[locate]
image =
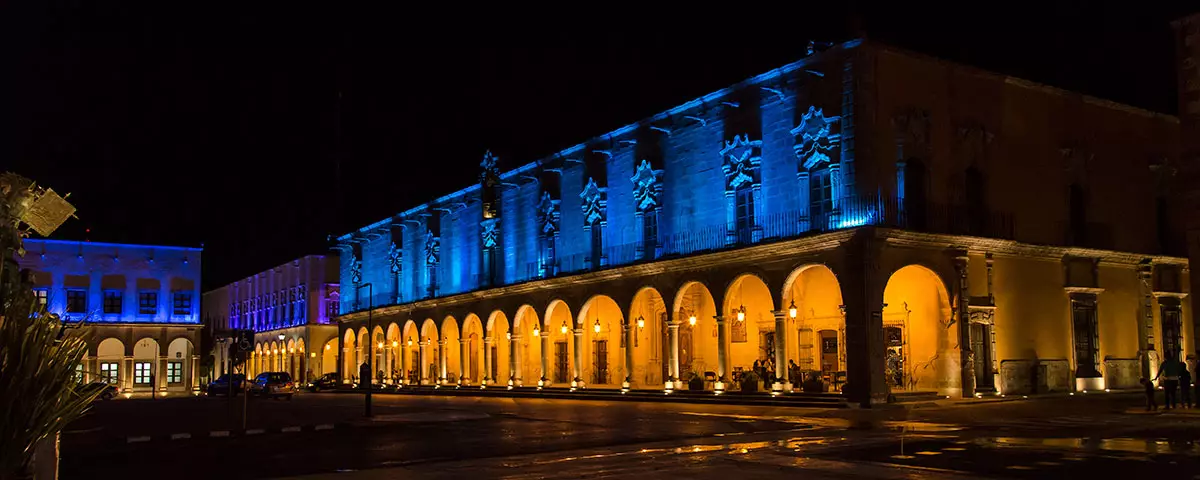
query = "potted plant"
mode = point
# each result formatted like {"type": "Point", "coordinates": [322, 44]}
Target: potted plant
{"type": "Point", "coordinates": [695, 382]}
{"type": "Point", "coordinates": [749, 382]}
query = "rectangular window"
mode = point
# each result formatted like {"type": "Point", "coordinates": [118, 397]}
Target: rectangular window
{"type": "Point", "coordinates": [182, 303]}
{"type": "Point", "coordinates": [147, 303]}
{"type": "Point", "coordinates": [745, 214]}
{"type": "Point", "coordinates": [76, 301]}
{"type": "Point", "coordinates": [820, 193]}
{"type": "Point", "coordinates": [42, 296]}
{"type": "Point", "coordinates": [109, 372]}
{"type": "Point", "coordinates": [650, 234]}
{"type": "Point", "coordinates": [112, 301]}
{"type": "Point", "coordinates": [331, 308]}
{"type": "Point", "coordinates": [141, 373]}
{"type": "Point", "coordinates": [174, 372]}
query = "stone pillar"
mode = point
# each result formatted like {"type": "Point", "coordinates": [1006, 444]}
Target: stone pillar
{"type": "Point", "coordinates": [630, 337]}
{"type": "Point", "coordinates": [193, 384]}
{"type": "Point", "coordinates": [403, 363]}
{"type": "Point", "coordinates": [421, 356]}
{"type": "Point", "coordinates": [1146, 318]}
{"type": "Point", "coordinates": [514, 356]}
{"type": "Point", "coordinates": [961, 307]}
{"type": "Point", "coordinates": [161, 377]}
{"type": "Point", "coordinates": [782, 382]}
{"type": "Point", "coordinates": [545, 378]}
{"type": "Point", "coordinates": [126, 373]}
{"type": "Point", "coordinates": [673, 367]}
{"type": "Point", "coordinates": [443, 363]}
{"type": "Point", "coordinates": [577, 357]}
{"type": "Point", "coordinates": [464, 351]}
{"type": "Point", "coordinates": [862, 293]}
{"type": "Point", "coordinates": [488, 375]}
{"type": "Point", "coordinates": [722, 356]}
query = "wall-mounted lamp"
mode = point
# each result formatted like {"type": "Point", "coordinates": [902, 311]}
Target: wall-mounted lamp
{"type": "Point", "coordinates": [792, 310]}
{"type": "Point", "coordinates": [641, 322]}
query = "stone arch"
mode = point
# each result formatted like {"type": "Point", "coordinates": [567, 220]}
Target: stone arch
{"type": "Point", "coordinates": [430, 350]}
{"type": "Point", "coordinates": [921, 351]}
{"type": "Point", "coordinates": [179, 365]}
{"type": "Point", "coordinates": [257, 360]}
{"type": "Point", "coordinates": [471, 345]}
{"type": "Point", "coordinates": [450, 373]}
{"type": "Point", "coordinates": [647, 320]}
{"type": "Point", "coordinates": [350, 357]}
{"type": "Point", "coordinates": [500, 332]}
{"type": "Point", "coordinates": [110, 357]}
{"type": "Point", "coordinates": [411, 342]}
{"type": "Point", "coordinates": [816, 334]}
{"type": "Point", "coordinates": [527, 359]}
{"type": "Point", "coordinates": [600, 320]}
{"type": "Point", "coordinates": [361, 351]}
{"type": "Point", "coordinates": [146, 353]}
{"type": "Point", "coordinates": [329, 355]}
{"type": "Point", "coordinates": [392, 348]}
{"type": "Point", "coordinates": [750, 317]}
{"type": "Point", "coordinates": [697, 342]}
{"type": "Point", "coordinates": [559, 352]}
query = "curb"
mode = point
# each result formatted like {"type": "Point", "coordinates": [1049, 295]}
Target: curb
{"type": "Point", "coordinates": [613, 395]}
{"type": "Point", "coordinates": [247, 432]}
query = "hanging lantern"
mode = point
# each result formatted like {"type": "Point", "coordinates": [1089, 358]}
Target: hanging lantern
{"type": "Point", "coordinates": [692, 320]}
{"type": "Point", "coordinates": [641, 322]}
{"type": "Point", "coordinates": [410, 341]}
{"type": "Point", "coordinates": [596, 327]}
{"type": "Point", "coordinates": [380, 344]}
{"type": "Point", "coordinates": [537, 332]}
{"type": "Point", "coordinates": [564, 328]}
{"type": "Point", "coordinates": [395, 344]}
{"type": "Point", "coordinates": [741, 313]}
{"type": "Point", "coordinates": [792, 310]}
{"type": "Point", "coordinates": [327, 346]}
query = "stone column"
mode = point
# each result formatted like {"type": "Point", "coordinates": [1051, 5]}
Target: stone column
{"type": "Point", "coordinates": [514, 364]}
{"type": "Point", "coordinates": [464, 351]}
{"type": "Point", "coordinates": [192, 374]}
{"type": "Point", "coordinates": [967, 355]}
{"type": "Point", "coordinates": [673, 367]}
{"type": "Point", "coordinates": [161, 377]}
{"type": "Point", "coordinates": [126, 373]}
{"type": "Point", "coordinates": [403, 363]}
{"type": "Point", "coordinates": [443, 363]}
{"type": "Point", "coordinates": [488, 375]}
{"type": "Point", "coordinates": [782, 382]}
{"type": "Point", "coordinates": [577, 368]}
{"type": "Point", "coordinates": [421, 356]}
{"type": "Point", "coordinates": [862, 293]}
{"type": "Point", "coordinates": [722, 356]}
{"type": "Point", "coordinates": [1145, 318]}
{"type": "Point", "coordinates": [545, 379]}
{"type": "Point", "coordinates": [630, 337]}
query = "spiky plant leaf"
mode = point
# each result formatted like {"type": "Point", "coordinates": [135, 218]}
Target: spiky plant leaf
{"type": "Point", "coordinates": [39, 391]}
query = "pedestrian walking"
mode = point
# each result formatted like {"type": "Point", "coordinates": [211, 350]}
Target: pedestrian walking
{"type": "Point", "coordinates": [1169, 371]}
{"type": "Point", "coordinates": [1185, 387]}
{"type": "Point", "coordinates": [1151, 404]}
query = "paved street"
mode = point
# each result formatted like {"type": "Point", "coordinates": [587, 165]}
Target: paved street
{"type": "Point", "coordinates": [442, 437]}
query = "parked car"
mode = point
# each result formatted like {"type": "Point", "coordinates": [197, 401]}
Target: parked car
{"type": "Point", "coordinates": [329, 381]}
{"type": "Point", "coordinates": [220, 386]}
{"type": "Point", "coordinates": [108, 390]}
{"type": "Point", "coordinates": [273, 384]}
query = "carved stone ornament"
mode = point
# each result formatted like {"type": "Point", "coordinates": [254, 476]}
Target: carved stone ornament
{"type": "Point", "coordinates": [356, 275]}
{"type": "Point", "coordinates": [814, 139]}
{"type": "Point", "coordinates": [912, 130]}
{"type": "Point", "coordinates": [433, 248]}
{"type": "Point", "coordinates": [593, 210]}
{"type": "Point", "coordinates": [395, 259]}
{"type": "Point", "coordinates": [548, 211]}
{"type": "Point", "coordinates": [645, 187]}
{"type": "Point", "coordinates": [488, 166]}
{"type": "Point", "coordinates": [742, 157]}
{"type": "Point", "coordinates": [489, 233]}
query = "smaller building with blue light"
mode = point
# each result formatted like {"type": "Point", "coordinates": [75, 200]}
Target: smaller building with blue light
{"type": "Point", "coordinates": [139, 305]}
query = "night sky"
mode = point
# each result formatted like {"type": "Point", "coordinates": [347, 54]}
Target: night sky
{"type": "Point", "coordinates": [221, 127]}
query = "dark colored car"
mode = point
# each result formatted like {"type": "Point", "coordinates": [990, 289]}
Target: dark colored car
{"type": "Point", "coordinates": [108, 390]}
{"type": "Point", "coordinates": [273, 384]}
{"type": "Point", "coordinates": [329, 381]}
{"type": "Point", "coordinates": [220, 386]}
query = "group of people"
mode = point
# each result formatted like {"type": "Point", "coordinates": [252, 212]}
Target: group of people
{"type": "Point", "coordinates": [1176, 384]}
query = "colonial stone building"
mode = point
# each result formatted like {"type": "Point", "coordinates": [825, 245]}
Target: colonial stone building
{"type": "Point", "coordinates": [877, 218]}
{"type": "Point", "coordinates": [290, 308]}
{"type": "Point", "coordinates": [137, 305]}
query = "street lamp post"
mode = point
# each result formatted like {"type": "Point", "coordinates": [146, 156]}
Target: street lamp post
{"type": "Point", "coordinates": [370, 344]}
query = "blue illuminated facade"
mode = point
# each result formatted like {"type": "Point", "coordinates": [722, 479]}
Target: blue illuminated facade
{"type": "Point", "coordinates": [111, 283]}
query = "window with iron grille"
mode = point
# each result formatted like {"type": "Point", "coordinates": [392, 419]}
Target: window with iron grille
{"type": "Point", "coordinates": [76, 301]}
{"type": "Point", "coordinates": [182, 303]}
{"type": "Point", "coordinates": [112, 301]}
{"type": "Point", "coordinates": [147, 303]}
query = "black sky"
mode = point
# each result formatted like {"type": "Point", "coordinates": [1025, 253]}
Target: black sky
{"type": "Point", "coordinates": [217, 127]}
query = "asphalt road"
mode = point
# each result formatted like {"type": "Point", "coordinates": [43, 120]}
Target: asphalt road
{"type": "Point", "coordinates": [443, 437]}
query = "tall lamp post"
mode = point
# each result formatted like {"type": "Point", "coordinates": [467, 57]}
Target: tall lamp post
{"type": "Point", "coordinates": [370, 343]}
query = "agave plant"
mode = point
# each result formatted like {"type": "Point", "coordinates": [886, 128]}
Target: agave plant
{"type": "Point", "coordinates": [40, 393]}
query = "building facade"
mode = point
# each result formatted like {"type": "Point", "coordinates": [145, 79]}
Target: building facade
{"type": "Point", "coordinates": [290, 308]}
{"type": "Point", "coordinates": [137, 304]}
{"type": "Point", "coordinates": [873, 217]}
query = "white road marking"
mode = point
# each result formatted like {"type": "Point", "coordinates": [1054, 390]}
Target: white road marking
{"type": "Point", "coordinates": [291, 429]}
{"type": "Point", "coordinates": [180, 436]}
{"type": "Point", "coordinates": [138, 439]}
{"type": "Point", "coordinates": [254, 431]}
{"type": "Point", "coordinates": [219, 433]}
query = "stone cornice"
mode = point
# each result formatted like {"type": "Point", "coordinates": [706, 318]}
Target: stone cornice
{"type": "Point", "coordinates": [770, 251]}
{"type": "Point", "coordinates": [1012, 248]}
